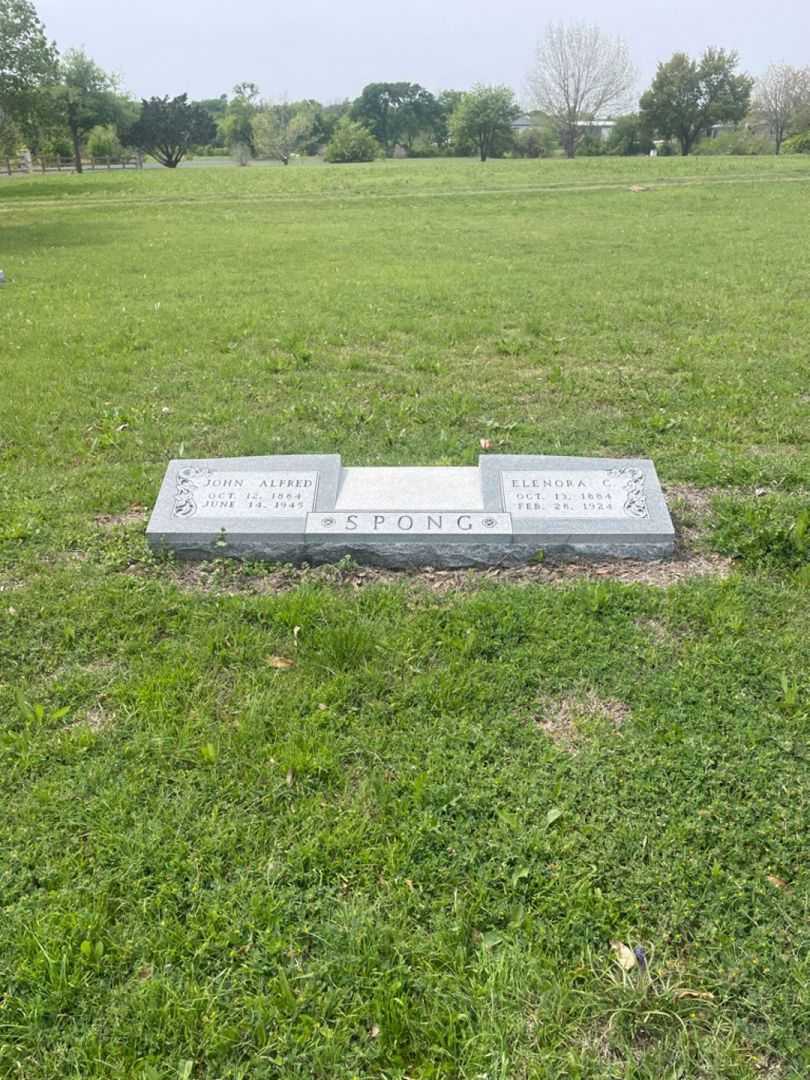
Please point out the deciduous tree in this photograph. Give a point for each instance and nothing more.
(396, 112)
(87, 98)
(688, 97)
(447, 101)
(27, 58)
(167, 128)
(236, 123)
(484, 117)
(781, 96)
(281, 130)
(579, 74)
(327, 118)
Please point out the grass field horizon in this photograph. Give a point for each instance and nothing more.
(410, 848)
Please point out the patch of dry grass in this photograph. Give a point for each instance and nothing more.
(135, 515)
(568, 721)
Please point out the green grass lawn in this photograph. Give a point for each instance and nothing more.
(410, 852)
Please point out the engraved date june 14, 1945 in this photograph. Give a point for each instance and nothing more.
(232, 493)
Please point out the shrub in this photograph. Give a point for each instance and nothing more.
(103, 142)
(534, 143)
(769, 532)
(735, 142)
(629, 137)
(797, 144)
(58, 145)
(352, 142)
(592, 145)
(424, 147)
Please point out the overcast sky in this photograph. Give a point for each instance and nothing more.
(329, 49)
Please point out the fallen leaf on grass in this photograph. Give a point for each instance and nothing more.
(485, 444)
(698, 995)
(624, 955)
(554, 813)
(777, 882)
(280, 662)
(374, 1031)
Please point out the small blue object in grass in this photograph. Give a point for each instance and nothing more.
(641, 956)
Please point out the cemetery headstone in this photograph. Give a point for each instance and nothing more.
(506, 511)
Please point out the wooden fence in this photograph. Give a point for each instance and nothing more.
(23, 167)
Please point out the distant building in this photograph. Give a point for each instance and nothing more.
(530, 120)
(523, 123)
(722, 129)
(599, 129)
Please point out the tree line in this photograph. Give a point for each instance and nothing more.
(580, 76)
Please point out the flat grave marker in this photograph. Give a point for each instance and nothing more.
(310, 508)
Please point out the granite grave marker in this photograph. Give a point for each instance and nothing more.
(310, 508)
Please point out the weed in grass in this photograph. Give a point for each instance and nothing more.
(338, 643)
(427, 367)
(771, 532)
(511, 345)
(789, 700)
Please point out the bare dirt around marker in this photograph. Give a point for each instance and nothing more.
(690, 508)
(230, 579)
